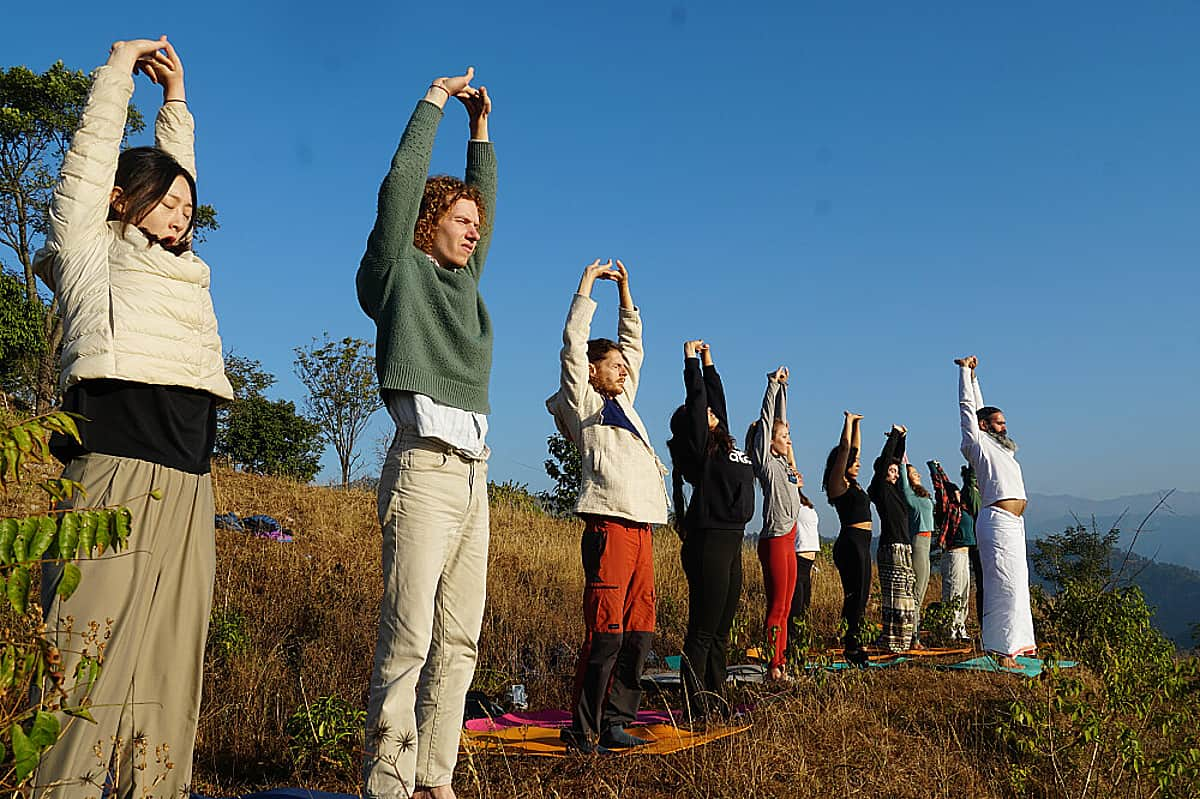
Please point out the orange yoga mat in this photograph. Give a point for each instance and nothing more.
(544, 742)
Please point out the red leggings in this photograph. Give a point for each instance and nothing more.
(778, 559)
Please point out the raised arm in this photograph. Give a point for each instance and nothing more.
(893, 449)
(629, 331)
(696, 401)
(574, 374)
(910, 496)
(174, 127)
(846, 450)
(969, 402)
(773, 399)
(937, 476)
(481, 168)
(402, 189)
(714, 386)
(81, 198)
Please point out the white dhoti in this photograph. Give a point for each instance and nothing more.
(1007, 619)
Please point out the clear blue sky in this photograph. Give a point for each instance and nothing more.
(859, 191)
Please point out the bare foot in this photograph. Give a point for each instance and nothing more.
(1008, 662)
(438, 792)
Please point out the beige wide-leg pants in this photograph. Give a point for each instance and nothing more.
(150, 605)
(434, 511)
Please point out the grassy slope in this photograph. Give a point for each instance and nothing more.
(310, 611)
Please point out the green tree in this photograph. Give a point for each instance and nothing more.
(565, 469)
(21, 340)
(342, 393)
(1078, 556)
(38, 116)
(261, 435)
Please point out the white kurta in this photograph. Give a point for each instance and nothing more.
(1007, 618)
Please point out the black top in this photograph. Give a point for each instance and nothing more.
(723, 482)
(889, 497)
(853, 507)
(172, 426)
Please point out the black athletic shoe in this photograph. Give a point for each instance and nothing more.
(616, 738)
(857, 658)
(580, 743)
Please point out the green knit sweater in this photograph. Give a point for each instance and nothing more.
(434, 335)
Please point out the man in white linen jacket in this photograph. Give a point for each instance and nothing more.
(621, 495)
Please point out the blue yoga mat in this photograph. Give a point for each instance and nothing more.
(1030, 667)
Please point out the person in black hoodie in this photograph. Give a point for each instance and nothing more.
(722, 478)
(894, 556)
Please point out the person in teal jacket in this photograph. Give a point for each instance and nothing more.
(920, 528)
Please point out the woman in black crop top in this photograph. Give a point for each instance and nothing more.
(852, 549)
(896, 575)
(705, 455)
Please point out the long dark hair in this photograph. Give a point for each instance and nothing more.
(829, 468)
(144, 174)
(919, 490)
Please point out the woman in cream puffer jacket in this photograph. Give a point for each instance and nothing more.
(142, 366)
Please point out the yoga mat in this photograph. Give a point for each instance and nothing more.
(544, 741)
(739, 674)
(1030, 667)
(875, 662)
(556, 719)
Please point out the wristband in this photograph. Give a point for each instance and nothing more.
(175, 100)
(440, 86)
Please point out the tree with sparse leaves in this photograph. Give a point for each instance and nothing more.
(38, 116)
(265, 436)
(342, 393)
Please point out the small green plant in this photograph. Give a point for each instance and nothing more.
(326, 732)
(869, 631)
(938, 620)
(227, 636)
(27, 659)
(1131, 729)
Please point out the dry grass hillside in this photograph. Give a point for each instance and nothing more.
(296, 622)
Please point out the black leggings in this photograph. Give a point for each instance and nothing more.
(801, 598)
(712, 562)
(852, 556)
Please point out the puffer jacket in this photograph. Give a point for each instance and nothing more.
(621, 475)
(131, 310)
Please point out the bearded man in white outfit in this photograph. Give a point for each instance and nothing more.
(1000, 529)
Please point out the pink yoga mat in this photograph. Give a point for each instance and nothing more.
(552, 718)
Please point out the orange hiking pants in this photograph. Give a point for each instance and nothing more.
(618, 615)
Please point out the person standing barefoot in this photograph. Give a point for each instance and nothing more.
(1000, 529)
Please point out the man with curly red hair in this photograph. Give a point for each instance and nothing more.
(419, 281)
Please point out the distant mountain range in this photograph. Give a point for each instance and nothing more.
(1172, 535)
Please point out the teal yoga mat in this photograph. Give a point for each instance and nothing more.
(1030, 667)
